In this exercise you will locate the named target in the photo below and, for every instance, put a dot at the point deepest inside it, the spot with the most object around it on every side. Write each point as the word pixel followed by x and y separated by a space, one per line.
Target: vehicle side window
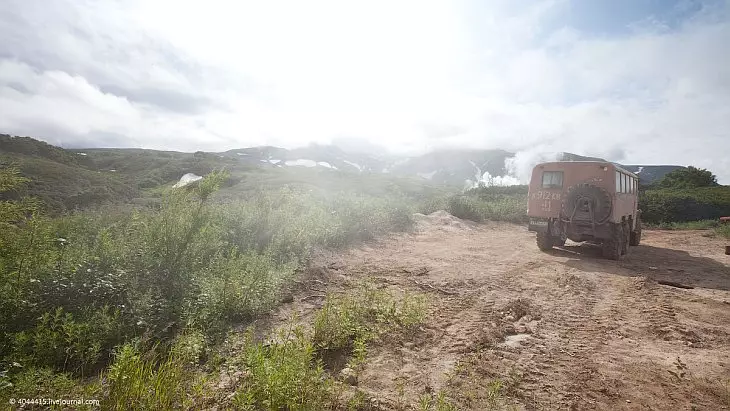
pixel 626 183
pixel 552 179
pixel 622 183
pixel 618 182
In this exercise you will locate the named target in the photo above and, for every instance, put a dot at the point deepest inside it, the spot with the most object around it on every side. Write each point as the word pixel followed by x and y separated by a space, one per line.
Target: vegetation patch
pixel 365 315
pixel 667 206
pixel 490 204
pixel 81 288
pixel 283 375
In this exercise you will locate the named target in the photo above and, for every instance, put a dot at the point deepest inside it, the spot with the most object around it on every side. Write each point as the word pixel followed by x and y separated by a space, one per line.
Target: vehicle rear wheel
pixel 559 241
pixel 612 246
pixel 625 236
pixel 544 241
pixel 636 234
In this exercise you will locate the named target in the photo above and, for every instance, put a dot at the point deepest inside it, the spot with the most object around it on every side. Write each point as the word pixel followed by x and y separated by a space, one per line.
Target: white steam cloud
pixel 519 169
pixel 520 166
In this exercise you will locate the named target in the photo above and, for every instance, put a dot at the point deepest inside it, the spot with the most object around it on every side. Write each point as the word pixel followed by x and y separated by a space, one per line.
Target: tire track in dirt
pixel 561 330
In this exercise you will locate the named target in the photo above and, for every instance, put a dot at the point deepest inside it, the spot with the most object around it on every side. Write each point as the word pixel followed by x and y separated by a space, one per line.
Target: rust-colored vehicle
pixel 585 201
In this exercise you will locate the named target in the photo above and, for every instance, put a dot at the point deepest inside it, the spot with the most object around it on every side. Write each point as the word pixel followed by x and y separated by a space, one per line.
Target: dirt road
pixel 512 327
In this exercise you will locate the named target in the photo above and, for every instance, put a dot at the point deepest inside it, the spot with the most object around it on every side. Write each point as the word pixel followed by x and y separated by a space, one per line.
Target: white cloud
pixel 410 75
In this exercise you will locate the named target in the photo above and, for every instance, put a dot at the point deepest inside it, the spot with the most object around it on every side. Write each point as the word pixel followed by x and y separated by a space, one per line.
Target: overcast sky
pixel 636 81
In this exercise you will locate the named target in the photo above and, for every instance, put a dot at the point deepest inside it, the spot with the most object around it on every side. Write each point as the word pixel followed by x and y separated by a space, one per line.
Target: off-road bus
pixel 588 201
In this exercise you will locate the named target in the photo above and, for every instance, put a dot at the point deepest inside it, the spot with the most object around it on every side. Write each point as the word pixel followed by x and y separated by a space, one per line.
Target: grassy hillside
pixel 62 187
pixel 69 179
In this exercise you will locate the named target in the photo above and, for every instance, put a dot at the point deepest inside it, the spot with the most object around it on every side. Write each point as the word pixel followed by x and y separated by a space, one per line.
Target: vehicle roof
pixel 617 167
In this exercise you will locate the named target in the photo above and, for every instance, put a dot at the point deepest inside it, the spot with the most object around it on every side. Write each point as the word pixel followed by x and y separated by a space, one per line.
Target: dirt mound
pixel 439 220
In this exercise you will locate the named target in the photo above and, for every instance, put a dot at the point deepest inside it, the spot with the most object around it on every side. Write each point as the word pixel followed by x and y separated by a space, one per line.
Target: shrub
pixel 363 316
pixel 708 203
pixel 66 343
pixel 46 383
pixel 283 375
pixel 136 382
pixel 431 205
pixel 468 208
pixel 236 287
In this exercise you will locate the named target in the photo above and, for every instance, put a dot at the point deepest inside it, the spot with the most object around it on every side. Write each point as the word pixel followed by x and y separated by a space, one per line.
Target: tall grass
pixel 723 230
pixel 719 228
pixel 687 225
pixel 81 288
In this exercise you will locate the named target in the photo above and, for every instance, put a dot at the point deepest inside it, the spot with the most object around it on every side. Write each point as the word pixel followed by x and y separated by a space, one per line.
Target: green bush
pixel 137 382
pixel 236 288
pixel 364 315
pixel 66 343
pixel 431 205
pixel 468 208
pixel 707 203
pixel 283 376
pixel 495 207
pixel 46 383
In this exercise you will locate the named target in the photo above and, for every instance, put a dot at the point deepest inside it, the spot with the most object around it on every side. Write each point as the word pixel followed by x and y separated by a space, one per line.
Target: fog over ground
pixel 633 81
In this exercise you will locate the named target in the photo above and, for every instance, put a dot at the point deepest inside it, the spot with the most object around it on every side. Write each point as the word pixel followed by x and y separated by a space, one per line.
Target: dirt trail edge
pixel 510 326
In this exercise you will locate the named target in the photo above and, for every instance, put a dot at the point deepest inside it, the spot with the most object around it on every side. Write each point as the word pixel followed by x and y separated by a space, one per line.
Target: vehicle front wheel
pixel 544 241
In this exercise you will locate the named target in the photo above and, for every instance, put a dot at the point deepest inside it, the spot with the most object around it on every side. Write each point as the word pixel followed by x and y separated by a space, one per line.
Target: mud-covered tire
pixel 626 235
pixel 580 193
pixel 635 238
pixel 544 241
pixel 612 246
pixel 558 242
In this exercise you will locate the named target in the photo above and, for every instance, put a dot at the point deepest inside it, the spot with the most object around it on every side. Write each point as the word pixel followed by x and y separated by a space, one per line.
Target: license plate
pixel 539 222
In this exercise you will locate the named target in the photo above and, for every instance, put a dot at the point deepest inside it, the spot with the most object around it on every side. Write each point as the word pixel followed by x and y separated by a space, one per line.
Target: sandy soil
pixel 512 327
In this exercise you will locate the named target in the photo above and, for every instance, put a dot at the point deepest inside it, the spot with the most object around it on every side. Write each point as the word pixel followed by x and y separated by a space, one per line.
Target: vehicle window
pixel 618 182
pixel 552 179
pixel 626 183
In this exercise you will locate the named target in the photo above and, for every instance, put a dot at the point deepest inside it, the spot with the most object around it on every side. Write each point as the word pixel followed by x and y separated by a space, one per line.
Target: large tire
pixel 579 196
pixel 613 246
pixel 544 241
pixel 559 241
pixel 636 234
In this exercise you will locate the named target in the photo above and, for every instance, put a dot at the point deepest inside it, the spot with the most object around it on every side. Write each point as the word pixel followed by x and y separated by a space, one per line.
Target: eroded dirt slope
pixel 510 326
